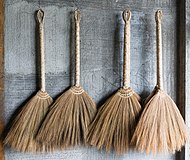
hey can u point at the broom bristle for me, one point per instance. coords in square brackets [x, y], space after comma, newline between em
[115, 121]
[161, 127]
[24, 127]
[66, 124]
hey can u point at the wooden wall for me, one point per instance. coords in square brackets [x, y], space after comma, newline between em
[101, 56]
[187, 70]
[1, 76]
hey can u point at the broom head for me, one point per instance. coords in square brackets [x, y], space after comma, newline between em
[66, 124]
[114, 123]
[161, 127]
[24, 127]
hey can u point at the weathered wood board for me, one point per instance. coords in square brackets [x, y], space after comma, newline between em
[101, 56]
[1, 76]
[187, 71]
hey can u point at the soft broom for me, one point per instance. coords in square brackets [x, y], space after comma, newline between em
[161, 127]
[25, 125]
[116, 119]
[66, 125]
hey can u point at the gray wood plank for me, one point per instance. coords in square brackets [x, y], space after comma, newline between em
[101, 56]
[187, 72]
[1, 77]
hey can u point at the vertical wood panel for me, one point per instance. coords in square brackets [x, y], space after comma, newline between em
[181, 89]
[1, 75]
[101, 56]
[187, 72]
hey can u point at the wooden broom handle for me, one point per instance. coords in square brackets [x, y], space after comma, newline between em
[126, 65]
[77, 49]
[158, 18]
[40, 20]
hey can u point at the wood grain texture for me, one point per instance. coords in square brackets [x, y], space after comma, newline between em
[1, 75]
[187, 72]
[181, 88]
[101, 56]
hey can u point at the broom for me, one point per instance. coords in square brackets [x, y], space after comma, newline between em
[113, 125]
[161, 127]
[24, 127]
[66, 125]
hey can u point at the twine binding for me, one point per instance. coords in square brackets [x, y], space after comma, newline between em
[42, 95]
[77, 90]
[125, 93]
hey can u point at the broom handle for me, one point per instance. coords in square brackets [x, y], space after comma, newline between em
[126, 65]
[40, 19]
[77, 49]
[159, 49]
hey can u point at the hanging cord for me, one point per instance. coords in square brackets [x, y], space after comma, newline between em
[77, 49]
[126, 65]
[158, 18]
[40, 20]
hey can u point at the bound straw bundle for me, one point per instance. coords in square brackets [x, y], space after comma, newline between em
[24, 128]
[161, 127]
[67, 122]
[115, 121]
